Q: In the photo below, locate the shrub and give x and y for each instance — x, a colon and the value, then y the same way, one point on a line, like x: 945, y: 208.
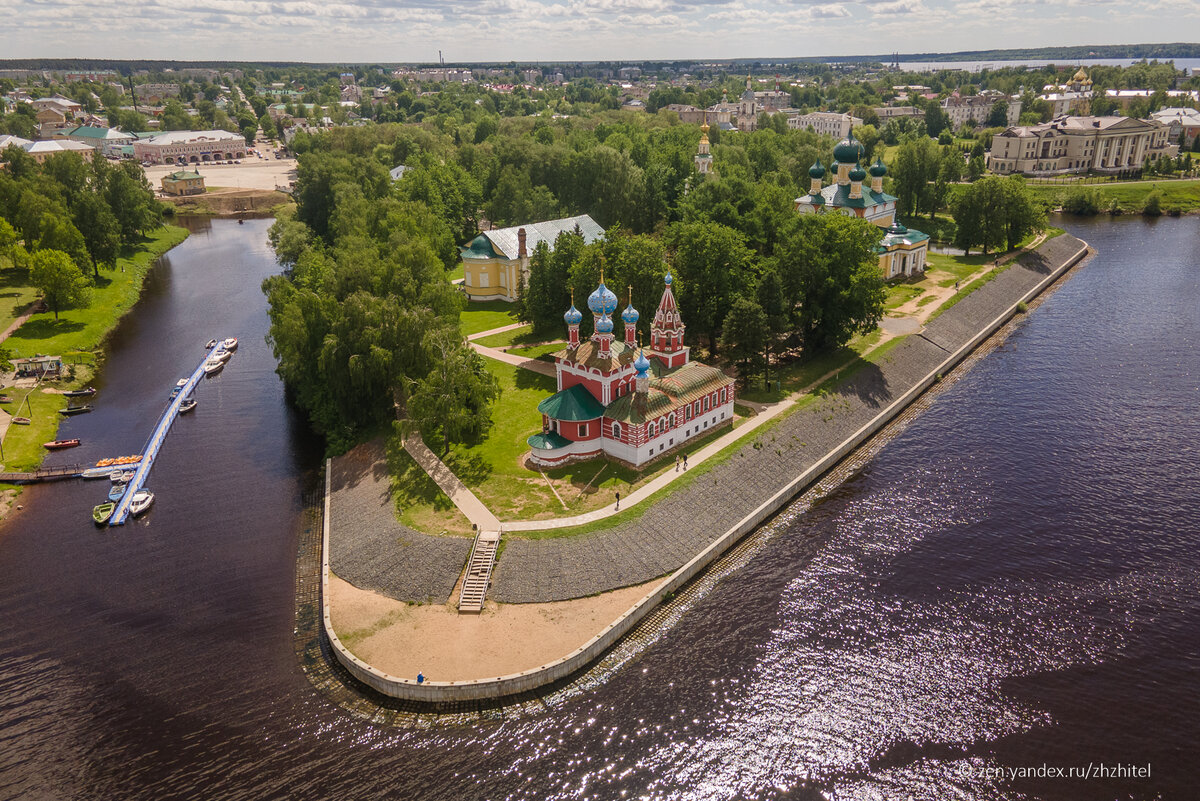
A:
x: 1153, y: 205
x: 1081, y: 201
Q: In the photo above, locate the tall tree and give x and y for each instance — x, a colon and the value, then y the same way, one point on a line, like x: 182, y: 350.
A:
x: 830, y: 260
x: 100, y: 230
x: 453, y: 402
x: 59, y: 279
x: 712, y: 262
x: 744, y: 337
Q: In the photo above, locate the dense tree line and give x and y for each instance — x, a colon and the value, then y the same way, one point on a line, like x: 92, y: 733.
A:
x: 67, y: 218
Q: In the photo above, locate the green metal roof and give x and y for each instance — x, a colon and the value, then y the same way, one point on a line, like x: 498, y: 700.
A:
x: 182, y: 175
x: 548, y: 441
x: 838, y: 195
x: 479, y: 248
x: 573, y: 404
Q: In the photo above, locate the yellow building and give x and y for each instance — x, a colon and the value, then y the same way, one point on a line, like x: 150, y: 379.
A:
x: 183, y: 182
x: 496, y: 261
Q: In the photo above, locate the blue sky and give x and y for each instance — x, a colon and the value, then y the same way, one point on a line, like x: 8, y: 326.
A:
x: 525, y: 30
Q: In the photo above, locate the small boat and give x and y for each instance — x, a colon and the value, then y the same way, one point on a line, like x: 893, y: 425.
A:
x: 84, y: 409
x: 59, y: 444
x: 181, y: 383
x: 122, y: 476
x: 140, y: 501
x: 101, y: 512
x: 231, y: 343
x: 20, y: 421
x: 222, y: 355
x: 86, y: 392
x: 210, y: 344
x: 116, y: 492
x: 5, y: 399
x: 187, y: 405
x: 213, y: 366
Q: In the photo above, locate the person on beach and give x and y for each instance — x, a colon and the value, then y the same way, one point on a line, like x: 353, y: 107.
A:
x: 420, y: 677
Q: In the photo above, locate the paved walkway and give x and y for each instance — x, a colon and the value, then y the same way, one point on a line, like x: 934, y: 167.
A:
x: 455, y: 490
x: 536, y: 365
x: 500, y: 330
x: 20, y: 321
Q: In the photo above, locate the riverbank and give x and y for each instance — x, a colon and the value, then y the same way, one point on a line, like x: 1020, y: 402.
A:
x: 231, y: 202
x: 75, y: 335
x: 720, y: 505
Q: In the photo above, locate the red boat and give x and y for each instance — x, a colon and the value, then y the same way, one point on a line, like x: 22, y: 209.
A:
x: 59, y: 444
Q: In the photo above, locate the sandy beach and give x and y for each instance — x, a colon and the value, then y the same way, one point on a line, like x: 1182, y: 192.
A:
x: 404, y: 639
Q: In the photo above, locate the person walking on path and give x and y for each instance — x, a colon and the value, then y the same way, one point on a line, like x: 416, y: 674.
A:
x: 618, y: 508
x: 685, y: 461
x: 677, y: 463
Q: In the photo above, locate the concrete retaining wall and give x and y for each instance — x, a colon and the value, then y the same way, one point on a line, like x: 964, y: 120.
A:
x: 437, y: 692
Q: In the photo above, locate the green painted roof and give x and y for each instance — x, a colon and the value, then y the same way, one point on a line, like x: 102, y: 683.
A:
x: 548, y: 441
x: 479, y: 248
x: 574, y: 404
x: 838, y: 196
x: 182, y: 175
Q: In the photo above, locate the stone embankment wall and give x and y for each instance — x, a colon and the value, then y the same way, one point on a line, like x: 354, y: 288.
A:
x: 689, y: 529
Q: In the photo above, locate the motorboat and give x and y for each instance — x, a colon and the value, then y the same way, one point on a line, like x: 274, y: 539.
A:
x: 122, y: 476
x: 222, y: 354
x: 117, y: 491
x: 231, y: 343
x: 140, y: 502
x: 102, y: 512
x: 5, y: 399
x: 210, y: 344
x: 84, y: 409
x: 86, y: 392
x: 187, y: 405
x: 59, y: 444
x: 213, y: 366
x: 20, y: 421
x: 181, y: 383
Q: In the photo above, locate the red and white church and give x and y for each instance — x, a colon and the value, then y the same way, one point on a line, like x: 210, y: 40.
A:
x: 616, y: 399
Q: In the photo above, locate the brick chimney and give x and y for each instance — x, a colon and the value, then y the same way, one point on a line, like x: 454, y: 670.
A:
x: 521, y: 252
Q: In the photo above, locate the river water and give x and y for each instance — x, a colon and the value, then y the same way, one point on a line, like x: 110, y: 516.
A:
x: 1011, y: 583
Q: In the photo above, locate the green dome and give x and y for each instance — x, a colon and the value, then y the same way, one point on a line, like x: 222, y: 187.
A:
x: 857, y: 173
x: 878, y: 169
x: 817, y: 171
x: 848, y: 151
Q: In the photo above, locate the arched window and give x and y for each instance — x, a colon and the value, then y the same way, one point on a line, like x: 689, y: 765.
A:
x: 723, y: 394
x: 671, y: 420
x: 652, y: 431
x: 616, y: 430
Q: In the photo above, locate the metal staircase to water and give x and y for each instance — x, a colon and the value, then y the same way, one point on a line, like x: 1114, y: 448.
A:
x: 479, y: 572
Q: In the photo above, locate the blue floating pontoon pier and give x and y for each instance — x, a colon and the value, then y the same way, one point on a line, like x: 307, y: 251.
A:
x: 121, y: 513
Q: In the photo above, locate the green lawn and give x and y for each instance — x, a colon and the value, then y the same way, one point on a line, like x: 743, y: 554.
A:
x: 15, y: 293
x: 1131, y: 195
x: 420, y: 503
x: 486, y: 315
x: 900, y: 293
x: 23, y: 444
x: 116, y: 292
x: 457, y: 273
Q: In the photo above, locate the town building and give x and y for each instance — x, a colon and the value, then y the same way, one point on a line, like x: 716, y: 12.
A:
x: 45, y: 149
x: 108, y: 141
x: 92, y: 76
x: 902, y: 251
x: 885, y: 113
x: 38, y: 366
x: 1185, y: 121
x: 1109, y: 145
x: 182, y: 183
x: 976, y: 109
x: 1127, y: 97
x: 496, y: 262
x: 830, y: 123
x: 1072, y: 97
x: 65, y: 106
x: 687, y: 114
x: 155, y: 93
x: 616, y: 400
x: 190, y: 147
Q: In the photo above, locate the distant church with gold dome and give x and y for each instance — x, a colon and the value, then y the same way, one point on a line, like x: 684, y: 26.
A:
x: 619, y: 400
x: 902, y: 250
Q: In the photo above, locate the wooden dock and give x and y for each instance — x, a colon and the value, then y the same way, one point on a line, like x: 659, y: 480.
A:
x: 479, y: 572
x: 43, y: 474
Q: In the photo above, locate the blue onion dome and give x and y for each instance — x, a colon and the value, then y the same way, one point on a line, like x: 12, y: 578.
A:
x: 848, y: 151
x: 667, y: 279
x: 630, y: 315
x: 878, y: 169
x: 573, y: 316
x: 857, y: 173
x: 602, y: 301
x: 641, y: 363
x: 604, y: 325
x: 817, y: 171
